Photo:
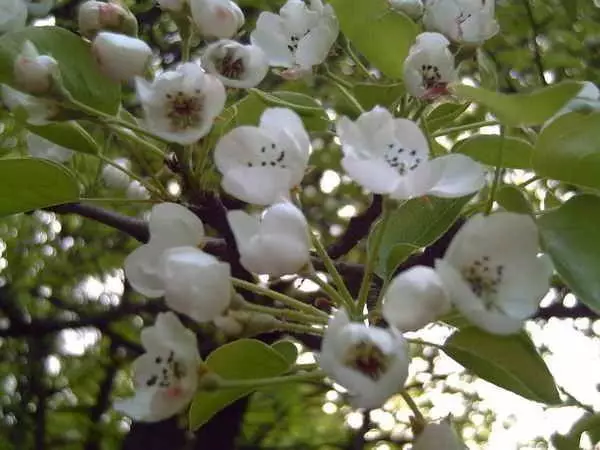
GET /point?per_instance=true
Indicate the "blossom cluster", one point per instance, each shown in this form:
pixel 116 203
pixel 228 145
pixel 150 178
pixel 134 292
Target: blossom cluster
pixel 492 272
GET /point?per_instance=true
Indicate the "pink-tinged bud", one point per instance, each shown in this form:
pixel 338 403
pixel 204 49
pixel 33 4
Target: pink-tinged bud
pixel 35 73
pixel 217 18
pixel 121 57
pixel 95 16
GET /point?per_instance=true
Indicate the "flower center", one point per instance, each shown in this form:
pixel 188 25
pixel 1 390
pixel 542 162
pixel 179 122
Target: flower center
pixel 168 373
pixel 295 40
pixel 402 159
pixel 368 359
pixel 483 277
pixel 231 67
pixel 269 156
pixel 184 111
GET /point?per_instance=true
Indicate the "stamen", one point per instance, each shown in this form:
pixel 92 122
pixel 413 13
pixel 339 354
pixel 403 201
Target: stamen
pixel 368 359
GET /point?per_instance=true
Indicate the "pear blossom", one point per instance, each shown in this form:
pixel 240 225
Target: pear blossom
pixel 137 191
pixel 261 164
pixel 438 436
pixel 195 283
pixel 121 57
pixel 166 375
pixel 370 362
pixel 170 225
pixel 429 67
pixel 236 65
pixel 217 18
pixel 114 177
pixel 297 38
pixel 492 271
pixel 13 15
pixel 35 73
pixel 277 244
pixel 38 147
pixel 391 156
pixel 412 8
pixel 415 298
pixel 181 105
pixel 39 8
pixel 463 21
pixel 95 16
pixel 39 111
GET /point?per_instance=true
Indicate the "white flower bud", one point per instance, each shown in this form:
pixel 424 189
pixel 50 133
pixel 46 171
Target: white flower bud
pixel 121 57
pixel 436 436
pixel 35 73
pixel 412 8
pixel 95 16
pixel 217 18
pixel 115 178
pixel 136 191
pixel 13 15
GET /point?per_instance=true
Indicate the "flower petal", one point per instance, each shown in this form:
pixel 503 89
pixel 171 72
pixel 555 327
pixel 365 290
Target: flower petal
pixel 173 225
pixel 142 271
pixel 372 174
pixel 456 176
pixel 259 186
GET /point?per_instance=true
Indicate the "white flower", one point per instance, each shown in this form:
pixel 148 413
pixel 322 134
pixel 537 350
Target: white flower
pixel 217 18
pixel 391 156
pixel 195 283
pixel 236 65
pixel 166 376
pixel 121 57
pixel 261 164
pixel 412 8
pixel 170 225
pixel 13 15
pixel 463 21
pixel 181 105
pixel 429 67
pixel 35 73
pixel 299 37
pixel 136 191
pixel 437 436
pixel 371 362
pixel 492 271
pixel 276 245
pixel 39 111
pixel 415 298
pixel 39 8
pixel 38 147
pixel 115 178
pixel 94 16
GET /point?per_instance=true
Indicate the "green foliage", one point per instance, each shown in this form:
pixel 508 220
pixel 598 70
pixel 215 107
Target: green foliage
pixel 570 236
pixel 510 362
pixel 511 198
pixel 516 152
pixel 70 135
pixel 244 359
pixel 29 184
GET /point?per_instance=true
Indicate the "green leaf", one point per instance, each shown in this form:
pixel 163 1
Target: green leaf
pixel 511 198
pixel 78 67
pixel 485 148
pixel 29 183
pixel 381 35
pixel 517 110
pixel 444 114
pixel 510 362
pixel 288 350
pixel 370 95
pixel 570 236
pixel 244 359
pixel 415 224
pixel 569 150
pixel 488 73
pixel 69 135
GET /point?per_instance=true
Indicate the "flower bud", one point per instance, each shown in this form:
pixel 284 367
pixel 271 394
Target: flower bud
pixel 217 18
pixel 115 178
pixel 412 8
pixel 35 73
pixel 121 57
pixel 97 16
pixel 13 15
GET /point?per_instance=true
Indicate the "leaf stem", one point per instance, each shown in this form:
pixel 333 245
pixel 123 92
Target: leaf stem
pixel 286 313
pixel 299 328
pixel 263 382
pixel 497 175
pixel 413 406
pixel 345 92
pixel 132 175
pixel 333 295
pixel 466 127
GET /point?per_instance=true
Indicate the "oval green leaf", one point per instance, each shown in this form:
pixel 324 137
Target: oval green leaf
pixel 511 198
pixel 69 135
pixel 485 148
pixel 28 183
pixel 570 236
pixel 78 68
pixel 380 34
pixel 510 362
pixel 516 110
pixel 244 359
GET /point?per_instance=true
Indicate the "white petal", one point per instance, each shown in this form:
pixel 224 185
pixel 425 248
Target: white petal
pixel 457 175
pixel 243 225
pixel 142 271
pixel 285 218
pixel 173 335
pixel 372 174
pixel 274 120
pixel 259 185
pixel 174 225
pixel 271 37
pixel 436 436
pixel 410 136
pixel 314 47
pixel 274 255
pixel 415 298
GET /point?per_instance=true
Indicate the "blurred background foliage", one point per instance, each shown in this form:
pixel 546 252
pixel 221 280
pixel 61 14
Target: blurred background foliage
pixel 69 327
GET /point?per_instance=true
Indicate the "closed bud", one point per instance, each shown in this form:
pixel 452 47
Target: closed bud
pixel 97 16
pixel 412 8
pixel 35 73
pixel 121 57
